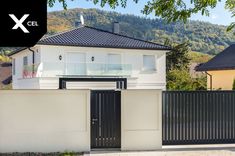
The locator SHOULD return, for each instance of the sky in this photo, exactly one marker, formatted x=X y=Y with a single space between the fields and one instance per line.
x=218 y=15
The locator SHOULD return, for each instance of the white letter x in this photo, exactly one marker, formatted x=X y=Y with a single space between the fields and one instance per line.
x=19 y=22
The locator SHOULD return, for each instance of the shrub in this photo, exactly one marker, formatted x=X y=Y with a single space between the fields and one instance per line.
x=181 y=80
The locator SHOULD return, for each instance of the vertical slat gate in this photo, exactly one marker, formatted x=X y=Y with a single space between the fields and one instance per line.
x=105 y=119
x=198 y=117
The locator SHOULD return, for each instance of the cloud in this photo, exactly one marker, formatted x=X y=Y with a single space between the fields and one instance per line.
x=214 y=16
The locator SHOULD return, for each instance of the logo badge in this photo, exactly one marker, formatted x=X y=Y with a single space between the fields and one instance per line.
x=19 y=23
x=25 y=23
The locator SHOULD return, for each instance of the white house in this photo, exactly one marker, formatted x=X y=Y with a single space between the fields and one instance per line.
x=89 y=56
x=96 y=114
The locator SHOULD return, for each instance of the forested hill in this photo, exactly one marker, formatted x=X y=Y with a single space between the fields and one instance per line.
x=204 y=37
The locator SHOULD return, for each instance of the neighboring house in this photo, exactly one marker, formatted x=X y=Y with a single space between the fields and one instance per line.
x=220 y=70
x=93 y=55
x=5 y=74
x=193 y=72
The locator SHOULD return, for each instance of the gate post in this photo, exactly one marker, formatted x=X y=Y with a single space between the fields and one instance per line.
x=141 y=119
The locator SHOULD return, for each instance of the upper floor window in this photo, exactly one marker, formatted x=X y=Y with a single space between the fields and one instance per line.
x=114 y=61
x=149 y=63
x=25 y=61
x=13 y=66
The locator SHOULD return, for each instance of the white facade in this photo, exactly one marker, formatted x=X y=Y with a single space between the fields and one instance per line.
x=144 y=69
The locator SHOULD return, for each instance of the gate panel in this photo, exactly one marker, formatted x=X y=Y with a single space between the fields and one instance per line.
x=105 y=119
x=198 y=117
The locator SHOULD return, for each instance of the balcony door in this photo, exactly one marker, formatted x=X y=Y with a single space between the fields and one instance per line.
x=114 y=62
x=75 y=64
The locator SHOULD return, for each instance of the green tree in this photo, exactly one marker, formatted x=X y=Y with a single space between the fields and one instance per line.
x=178 y=57
x=170 y=10
x=230 y=5
x=180 y=79
x=177 y=64
x=202 y=36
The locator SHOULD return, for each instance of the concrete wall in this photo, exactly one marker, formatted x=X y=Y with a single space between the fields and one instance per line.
x=59 y=120
x=141 y=120
x=221 y=79
x=44 y=120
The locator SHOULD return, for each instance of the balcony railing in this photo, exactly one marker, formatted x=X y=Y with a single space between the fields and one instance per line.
x=48 y=69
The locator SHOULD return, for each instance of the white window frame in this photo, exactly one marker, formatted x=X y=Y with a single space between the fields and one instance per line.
x=154 y=69
x=27 y=61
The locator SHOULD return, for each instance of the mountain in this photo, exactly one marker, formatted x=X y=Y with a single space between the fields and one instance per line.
x=204 y=37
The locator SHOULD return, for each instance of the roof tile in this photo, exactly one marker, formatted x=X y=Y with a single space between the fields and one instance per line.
x=92 y=37
x=223 y=61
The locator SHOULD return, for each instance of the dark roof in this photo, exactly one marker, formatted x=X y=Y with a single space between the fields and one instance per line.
x=16 y=51
x=92 y=37
x=6 y=64
x=223 y=61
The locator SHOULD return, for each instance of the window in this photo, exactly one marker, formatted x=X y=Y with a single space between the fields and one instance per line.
x=149 y=63
x=114 y=62
x=76 y=63
x=14 y=66
x=25 y=61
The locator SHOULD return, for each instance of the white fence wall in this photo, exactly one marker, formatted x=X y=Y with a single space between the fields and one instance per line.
x=44 y=120
x=141 y=116
x=59 y=120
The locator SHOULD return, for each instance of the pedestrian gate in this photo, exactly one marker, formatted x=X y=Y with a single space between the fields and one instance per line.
x=105 y=119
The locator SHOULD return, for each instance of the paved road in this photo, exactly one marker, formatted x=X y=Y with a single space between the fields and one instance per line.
x=189 y=150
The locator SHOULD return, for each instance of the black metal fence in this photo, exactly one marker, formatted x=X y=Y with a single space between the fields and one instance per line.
x=198 y=117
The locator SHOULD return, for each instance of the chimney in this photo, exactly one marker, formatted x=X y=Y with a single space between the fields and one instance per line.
x=77 y=24
x=116 y=28
x=82 y=19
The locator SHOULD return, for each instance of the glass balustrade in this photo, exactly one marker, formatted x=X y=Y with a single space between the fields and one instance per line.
x=48 y=69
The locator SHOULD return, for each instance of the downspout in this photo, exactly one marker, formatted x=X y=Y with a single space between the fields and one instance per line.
x=33 y=61
x=210 y=79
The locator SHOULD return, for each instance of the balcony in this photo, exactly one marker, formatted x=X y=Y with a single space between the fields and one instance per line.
x=47 y=69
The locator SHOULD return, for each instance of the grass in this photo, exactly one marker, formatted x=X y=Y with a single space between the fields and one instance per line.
x=6 y=87
x=43 y=154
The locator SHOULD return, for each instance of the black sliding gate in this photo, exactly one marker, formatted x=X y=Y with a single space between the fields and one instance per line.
x=198 y=117
x=105 y=119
